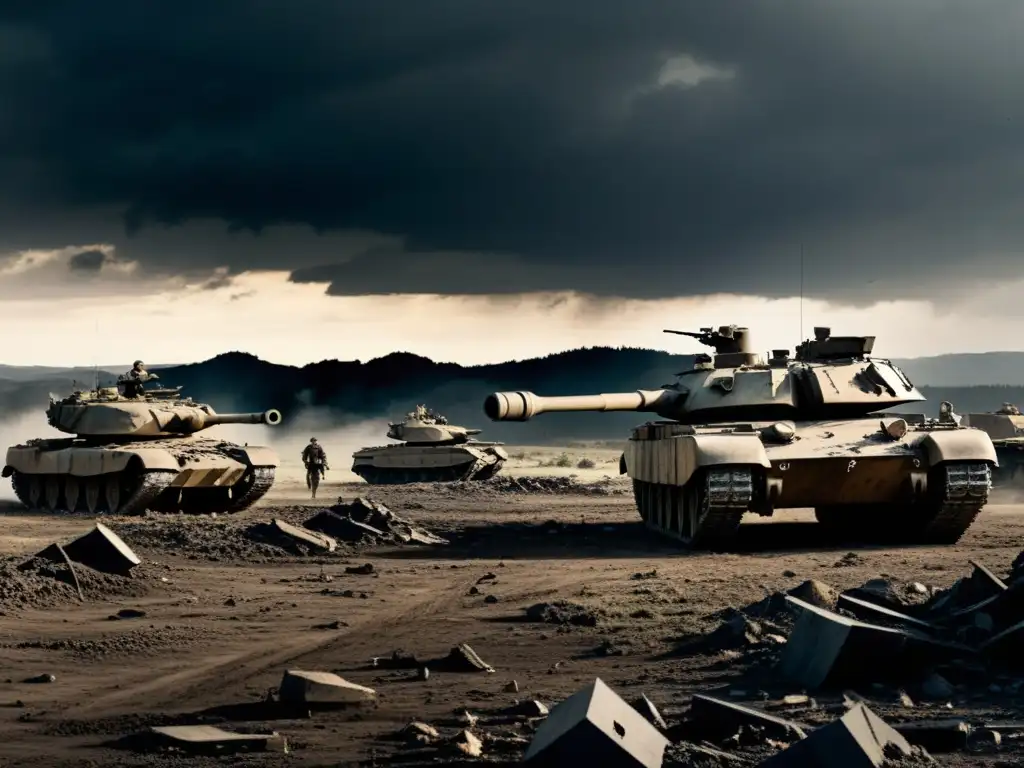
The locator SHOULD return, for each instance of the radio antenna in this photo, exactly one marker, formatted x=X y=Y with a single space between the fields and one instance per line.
x=801 y=338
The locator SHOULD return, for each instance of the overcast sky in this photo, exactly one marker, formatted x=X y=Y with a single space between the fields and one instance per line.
x=480 y=181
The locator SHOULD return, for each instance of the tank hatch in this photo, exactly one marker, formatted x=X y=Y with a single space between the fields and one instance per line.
x=730 y=342
x=825 y=347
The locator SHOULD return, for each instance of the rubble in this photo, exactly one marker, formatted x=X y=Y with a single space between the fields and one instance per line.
x=103 y=550
x=858 y=738
x=596 y=727
x=717 y=720
x=365 y=519
x=319 y=688
x=827 y=647
x=563 y=612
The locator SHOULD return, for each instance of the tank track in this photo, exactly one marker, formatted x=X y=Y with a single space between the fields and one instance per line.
x=962 y=496
x=147 y=488
x=459 y=473
x=206 y=501
x=718 y=497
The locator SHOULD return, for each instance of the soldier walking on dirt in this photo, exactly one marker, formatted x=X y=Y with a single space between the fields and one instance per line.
x=315 y=459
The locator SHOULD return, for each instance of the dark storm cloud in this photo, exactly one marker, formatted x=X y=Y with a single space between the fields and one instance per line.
x=514 y=146
x=87 y=261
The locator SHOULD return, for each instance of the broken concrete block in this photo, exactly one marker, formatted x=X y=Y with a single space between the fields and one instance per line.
x=717 y=719
x=595 y=726
x=859 y=738
x=341 y=528
x=867 y=611
x=419 y=733
x=936 y=735
x=103 y=550
x=826 y=647
x=309 y=687
x=309 y=538
x=207 y=738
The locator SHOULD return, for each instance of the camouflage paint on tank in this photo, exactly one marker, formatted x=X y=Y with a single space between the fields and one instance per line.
x=133 y=454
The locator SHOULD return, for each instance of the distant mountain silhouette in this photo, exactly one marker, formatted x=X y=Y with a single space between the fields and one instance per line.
x=388 y=387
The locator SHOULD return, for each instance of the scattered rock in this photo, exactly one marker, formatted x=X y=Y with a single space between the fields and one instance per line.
x=311 y=687
x=563 y=612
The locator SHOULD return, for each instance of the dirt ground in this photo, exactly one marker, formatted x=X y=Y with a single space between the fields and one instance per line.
x=225 y=615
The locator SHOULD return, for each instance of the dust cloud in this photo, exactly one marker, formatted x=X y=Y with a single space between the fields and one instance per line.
x=17 y=428
x=292 y=435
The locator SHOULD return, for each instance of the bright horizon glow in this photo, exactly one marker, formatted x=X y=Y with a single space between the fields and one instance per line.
x=70 y=320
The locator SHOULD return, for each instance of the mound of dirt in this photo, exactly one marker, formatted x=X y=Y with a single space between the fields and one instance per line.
x=41 y=583
x=143 y=641
x=563 y=612
x=553 y=484
x=204 y=539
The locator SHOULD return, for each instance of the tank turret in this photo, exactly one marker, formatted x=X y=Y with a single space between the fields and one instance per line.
x=130 y=454
x=431 y=450
x=103 y=413
x=829 y=378
x=428 y=428
x=748 y=434
x=1005 y=426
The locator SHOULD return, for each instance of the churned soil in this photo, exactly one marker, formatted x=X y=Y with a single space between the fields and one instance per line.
x=551 y=581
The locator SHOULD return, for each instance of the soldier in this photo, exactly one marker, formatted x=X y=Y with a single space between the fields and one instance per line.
x=133 y=380
x=315 y=459
x=421 y=412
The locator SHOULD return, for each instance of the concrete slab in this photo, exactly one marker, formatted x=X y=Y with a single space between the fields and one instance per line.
x=595 y=726
x=299 y=686
x=716 y=719
x=207 y=738
x=310 y=538
x=341 y=528
x=859 y=739
x=103 y=550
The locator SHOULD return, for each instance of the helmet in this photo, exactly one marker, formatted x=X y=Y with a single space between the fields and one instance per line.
x=136 y=363
x=312 y=439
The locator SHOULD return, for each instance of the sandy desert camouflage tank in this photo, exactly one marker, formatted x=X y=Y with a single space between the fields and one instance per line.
x=1006 y=428
x=432 y=450
x=747 y=435
x=133 y=454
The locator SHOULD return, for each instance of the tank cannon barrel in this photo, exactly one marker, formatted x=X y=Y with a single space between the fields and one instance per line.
x=522 y=406
x=271 y=418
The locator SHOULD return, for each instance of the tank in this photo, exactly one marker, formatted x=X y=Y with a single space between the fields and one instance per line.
x=1006 y=428
x=742 y=434
x=130 y=454
x=431 y=450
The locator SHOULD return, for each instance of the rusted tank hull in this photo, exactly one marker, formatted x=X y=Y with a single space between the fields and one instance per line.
x=187 y=474
x=398 y=464
x=696 y=484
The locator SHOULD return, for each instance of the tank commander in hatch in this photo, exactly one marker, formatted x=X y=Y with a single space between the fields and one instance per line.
x=132 y=381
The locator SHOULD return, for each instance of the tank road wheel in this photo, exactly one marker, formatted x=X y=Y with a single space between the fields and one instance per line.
x=112 y=492
x=92 y=495
x=957 y=492
x=22 y=485
x=72 y=490
x=705 y=513
x=51 y=492
x=130 y=492
x=35 y=490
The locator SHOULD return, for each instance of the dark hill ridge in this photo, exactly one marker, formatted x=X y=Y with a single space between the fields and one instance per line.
x=389 y=386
